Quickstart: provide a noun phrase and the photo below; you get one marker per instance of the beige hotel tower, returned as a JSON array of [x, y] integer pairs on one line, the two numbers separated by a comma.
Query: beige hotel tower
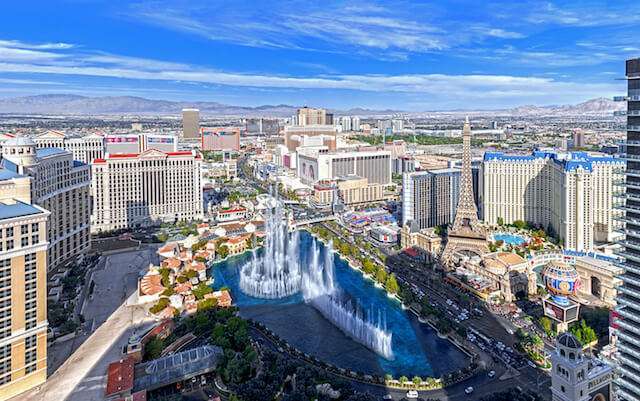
[[23, 286]]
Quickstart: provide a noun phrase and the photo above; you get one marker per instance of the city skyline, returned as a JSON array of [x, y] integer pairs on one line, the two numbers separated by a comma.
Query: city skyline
[[340, 55]]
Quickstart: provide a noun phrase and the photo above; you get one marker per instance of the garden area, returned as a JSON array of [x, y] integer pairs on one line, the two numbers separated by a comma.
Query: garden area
[[251, 372], [533, 347]]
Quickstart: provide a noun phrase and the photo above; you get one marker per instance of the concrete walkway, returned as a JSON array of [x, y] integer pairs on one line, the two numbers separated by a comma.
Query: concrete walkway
[[111, 319]]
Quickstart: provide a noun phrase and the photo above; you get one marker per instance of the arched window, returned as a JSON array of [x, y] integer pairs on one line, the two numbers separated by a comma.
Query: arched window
[[562, 353]]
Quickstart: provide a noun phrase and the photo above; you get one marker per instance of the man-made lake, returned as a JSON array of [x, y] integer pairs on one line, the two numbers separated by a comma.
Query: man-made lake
[[416, 347]]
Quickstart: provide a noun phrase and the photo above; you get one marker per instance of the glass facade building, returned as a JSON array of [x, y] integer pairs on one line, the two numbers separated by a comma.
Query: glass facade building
[[628, 309]]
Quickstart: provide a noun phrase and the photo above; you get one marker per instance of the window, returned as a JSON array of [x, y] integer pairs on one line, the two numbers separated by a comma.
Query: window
[[31, 341]]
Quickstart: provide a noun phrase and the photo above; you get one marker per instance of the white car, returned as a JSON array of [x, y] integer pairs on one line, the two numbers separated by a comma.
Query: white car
[[412, 394], [387, 397], [492, 373], [468, 390]]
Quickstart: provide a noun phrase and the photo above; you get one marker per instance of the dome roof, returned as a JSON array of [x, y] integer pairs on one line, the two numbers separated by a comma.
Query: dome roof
[[569, 340]]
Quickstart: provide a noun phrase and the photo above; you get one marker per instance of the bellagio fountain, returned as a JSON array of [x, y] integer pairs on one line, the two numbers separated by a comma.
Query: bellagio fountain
[[277, 272]]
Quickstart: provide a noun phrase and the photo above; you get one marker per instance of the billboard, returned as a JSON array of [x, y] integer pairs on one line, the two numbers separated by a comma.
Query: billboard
[[122, 144]]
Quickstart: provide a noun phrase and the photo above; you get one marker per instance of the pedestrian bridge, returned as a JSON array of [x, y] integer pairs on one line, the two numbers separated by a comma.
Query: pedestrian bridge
[[301, 223]]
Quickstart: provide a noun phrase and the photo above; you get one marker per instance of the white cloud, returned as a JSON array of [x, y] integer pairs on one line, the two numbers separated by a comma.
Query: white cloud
[[501, 33], [464, 87], [365, 29], [41, 46], [27, 82], [583, 14]]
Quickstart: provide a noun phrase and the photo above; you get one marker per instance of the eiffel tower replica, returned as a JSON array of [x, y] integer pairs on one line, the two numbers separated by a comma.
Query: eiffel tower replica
[[465, 235]]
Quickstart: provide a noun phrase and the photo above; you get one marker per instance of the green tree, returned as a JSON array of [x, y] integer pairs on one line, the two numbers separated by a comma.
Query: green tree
[[416, 380], [223, 251], [536, 342], [345, 249], [500, 221], [153, 348], [547, 325], [381, 275], [201, 290], [164, 273], [392, 284], [520, 224], [462, 331], [159, 306], [403, 379], [368, 266], [206, 304], [583, 332]]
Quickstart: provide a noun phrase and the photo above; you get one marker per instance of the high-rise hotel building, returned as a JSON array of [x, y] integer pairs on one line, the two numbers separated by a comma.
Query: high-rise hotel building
[[572, 194], [190, 123], [137, 189], [23, 287], [315, 164], [84, 148], [430, 198], [61, 186], [628, 299]]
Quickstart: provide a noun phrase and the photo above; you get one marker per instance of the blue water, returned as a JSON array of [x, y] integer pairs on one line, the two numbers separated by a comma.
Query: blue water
[[511, 239], [416, 347]]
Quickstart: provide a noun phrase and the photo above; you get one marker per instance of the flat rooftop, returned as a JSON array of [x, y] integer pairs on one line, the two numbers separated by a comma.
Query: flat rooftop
[[17, 209], [6, 174]]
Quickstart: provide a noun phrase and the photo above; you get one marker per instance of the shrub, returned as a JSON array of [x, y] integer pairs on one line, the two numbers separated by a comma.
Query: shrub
[[201, 290], [159, 306]]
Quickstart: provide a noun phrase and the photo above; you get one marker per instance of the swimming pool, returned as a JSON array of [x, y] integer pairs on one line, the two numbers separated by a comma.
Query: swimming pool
[[511, 239]]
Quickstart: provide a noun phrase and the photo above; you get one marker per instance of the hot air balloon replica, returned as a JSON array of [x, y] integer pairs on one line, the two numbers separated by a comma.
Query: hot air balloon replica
[[562, 281]]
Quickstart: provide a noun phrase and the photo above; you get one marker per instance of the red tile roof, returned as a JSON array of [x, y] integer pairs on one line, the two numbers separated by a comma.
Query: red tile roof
[[236, 240], [234, 210], [411, 252], [172, 263], [120, 376], [151, 284], [224, 299], [184, 287]]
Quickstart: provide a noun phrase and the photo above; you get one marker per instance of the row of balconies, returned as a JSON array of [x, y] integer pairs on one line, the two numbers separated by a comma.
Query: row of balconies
[[626, 382]]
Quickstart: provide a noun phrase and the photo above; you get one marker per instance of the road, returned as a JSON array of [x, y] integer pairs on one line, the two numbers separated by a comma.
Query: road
[[493, 327]]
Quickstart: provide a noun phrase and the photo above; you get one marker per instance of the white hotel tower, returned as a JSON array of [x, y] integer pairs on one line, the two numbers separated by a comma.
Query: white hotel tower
[[136, 189], [570, 193]]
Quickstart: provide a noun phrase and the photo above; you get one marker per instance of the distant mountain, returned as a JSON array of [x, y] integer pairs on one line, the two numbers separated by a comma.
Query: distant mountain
[[598, 106], [62, 104], [83, 105]]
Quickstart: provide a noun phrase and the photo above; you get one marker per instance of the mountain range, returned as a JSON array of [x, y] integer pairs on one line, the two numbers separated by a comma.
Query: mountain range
[[62, 104]]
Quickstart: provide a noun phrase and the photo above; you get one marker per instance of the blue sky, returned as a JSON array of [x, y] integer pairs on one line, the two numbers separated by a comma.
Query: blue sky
[[408, 55]]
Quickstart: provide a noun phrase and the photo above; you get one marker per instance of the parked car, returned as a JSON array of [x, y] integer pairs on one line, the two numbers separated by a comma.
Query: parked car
[[468, 390], [412, 394]]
